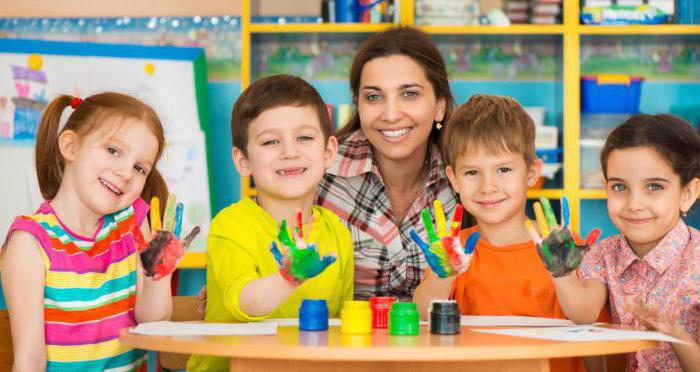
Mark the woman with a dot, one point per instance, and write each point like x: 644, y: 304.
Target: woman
x: 389, y: 167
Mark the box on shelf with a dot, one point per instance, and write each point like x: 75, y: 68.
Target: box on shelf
x: 536, y: 113
x: 610, y: 93
x: 487, y: 5
x: 546, y: 137
x: 286, y: 7
x: 599, y: 126
x: 447, y: 12
x: 623, y: 15
x: 549, y: 156
x: 591, y: 172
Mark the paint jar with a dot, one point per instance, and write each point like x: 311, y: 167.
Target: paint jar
x: 403, y: 319
x: 444, y: 318
x: 380, y: 310
x: 313, y: 315
x: 356, y: 317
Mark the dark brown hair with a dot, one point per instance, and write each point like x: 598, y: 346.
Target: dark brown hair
x: 102, y: 111
x: 272, y: 92
x: 495, y: 122
x: 405, y: 41
x: 670, y: 136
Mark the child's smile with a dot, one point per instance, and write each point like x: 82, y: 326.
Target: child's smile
x: 292, y: 171
x: 111, y: 188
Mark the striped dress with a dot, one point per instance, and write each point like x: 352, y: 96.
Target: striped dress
x: 90, y: 290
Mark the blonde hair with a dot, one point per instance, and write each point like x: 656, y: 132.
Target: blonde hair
x: 497, y: 123
x: 96, y: 112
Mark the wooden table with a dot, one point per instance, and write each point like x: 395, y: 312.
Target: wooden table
x: 291, y: 350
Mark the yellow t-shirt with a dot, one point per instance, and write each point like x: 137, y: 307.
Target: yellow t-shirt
x: 238, y: 252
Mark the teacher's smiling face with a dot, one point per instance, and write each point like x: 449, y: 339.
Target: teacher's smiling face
x: 397, y: 106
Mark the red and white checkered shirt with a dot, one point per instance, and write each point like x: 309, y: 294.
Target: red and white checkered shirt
x: 387, y: 261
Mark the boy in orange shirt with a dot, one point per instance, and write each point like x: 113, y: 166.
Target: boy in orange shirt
x: 488, y: 146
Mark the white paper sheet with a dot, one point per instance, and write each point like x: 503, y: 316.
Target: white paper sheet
x: 582, y: 334
x: 294, y: 322
x: 513, y: 321
x: 166, y: 328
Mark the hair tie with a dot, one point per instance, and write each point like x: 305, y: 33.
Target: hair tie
x: 67, y: 112
x: 76, y: 102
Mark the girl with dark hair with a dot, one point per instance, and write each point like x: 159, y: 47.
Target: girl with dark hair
x: 649, y: 272
x: 70, y: 272
x: 389, y: 165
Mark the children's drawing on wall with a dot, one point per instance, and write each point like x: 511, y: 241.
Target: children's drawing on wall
x: 20, y: 107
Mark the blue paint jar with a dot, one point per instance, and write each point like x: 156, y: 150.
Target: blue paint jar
x: 313, y: 315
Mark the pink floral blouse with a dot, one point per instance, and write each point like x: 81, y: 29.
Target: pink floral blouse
x: 667, y: 279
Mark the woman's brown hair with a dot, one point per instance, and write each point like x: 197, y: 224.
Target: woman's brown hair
x: 405, y: 41
x: 101, y: 111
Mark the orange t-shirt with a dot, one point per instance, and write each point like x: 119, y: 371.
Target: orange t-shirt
x: 509, y: 280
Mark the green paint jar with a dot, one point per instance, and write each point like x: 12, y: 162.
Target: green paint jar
x: 403, y: 319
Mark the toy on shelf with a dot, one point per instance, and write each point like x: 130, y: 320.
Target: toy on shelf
x: 560, y: 249
x: 605, y: 12
x: 443, y: 252
x: 299, y: 261
x: 160, y: 256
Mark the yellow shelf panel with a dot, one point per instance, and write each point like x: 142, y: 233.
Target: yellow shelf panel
x: 318, y: 27
x: 640, y: 29
x: 593, y: 194
x: 193, y: 260
x: 496, y: 30
x: 547, y: 193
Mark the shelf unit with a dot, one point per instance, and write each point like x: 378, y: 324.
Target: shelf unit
x: 571, y: 32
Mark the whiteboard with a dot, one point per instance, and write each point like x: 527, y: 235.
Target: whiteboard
x: 34, y: 72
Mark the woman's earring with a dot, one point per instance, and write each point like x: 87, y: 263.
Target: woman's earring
x: 438, y: 125
x: 684, y: 214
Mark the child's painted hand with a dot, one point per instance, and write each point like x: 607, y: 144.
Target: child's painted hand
x: 160, y: 256
x: 299, y: 261
x: 561, y: 250
x: 443, y: 252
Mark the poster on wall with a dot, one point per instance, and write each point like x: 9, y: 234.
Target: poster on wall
x: 172, y: 80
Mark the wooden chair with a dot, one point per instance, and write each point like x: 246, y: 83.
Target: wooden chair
x: 616, y: 362
x: 184, y: 308
x: 6, y: 353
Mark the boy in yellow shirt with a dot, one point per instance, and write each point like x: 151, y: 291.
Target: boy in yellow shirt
x: 281, y: 137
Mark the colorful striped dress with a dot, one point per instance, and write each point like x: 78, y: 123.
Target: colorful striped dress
x: 90, y: 290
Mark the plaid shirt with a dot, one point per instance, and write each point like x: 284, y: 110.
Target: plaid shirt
x: 387, y: 261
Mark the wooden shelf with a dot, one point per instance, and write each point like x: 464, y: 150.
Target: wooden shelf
x: 496, y: 30
x: 640, y: 30
x: 592, y: 194
x: 193, y: 260
x: 318, y: 27
x: 547, y: 193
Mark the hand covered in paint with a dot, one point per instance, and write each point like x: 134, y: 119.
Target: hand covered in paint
x: 299, y: 261
x: 160, y: 256
x: 560, y: 249
x: 443, y: 252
